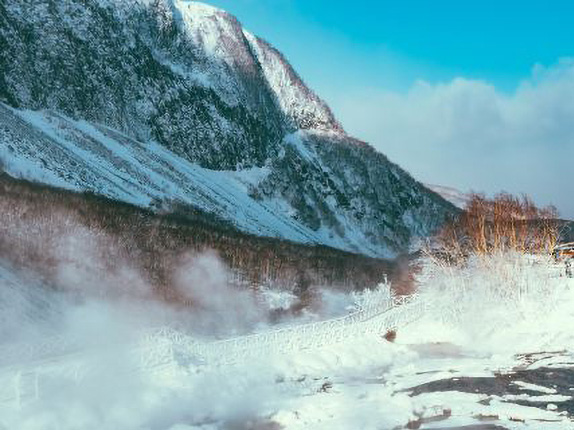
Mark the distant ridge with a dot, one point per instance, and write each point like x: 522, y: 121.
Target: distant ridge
x: 453, y: 195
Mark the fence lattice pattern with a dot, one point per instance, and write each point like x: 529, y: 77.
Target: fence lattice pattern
x: 164, y: 347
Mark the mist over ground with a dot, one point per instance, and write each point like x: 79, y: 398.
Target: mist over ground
x: 76, y: 286
x: 475, y: 320
x: 98, y: 317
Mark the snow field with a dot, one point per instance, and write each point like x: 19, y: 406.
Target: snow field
x: 353, y: 381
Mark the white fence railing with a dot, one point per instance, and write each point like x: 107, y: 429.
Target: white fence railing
x: 375, y: 318
x: 166, y: 347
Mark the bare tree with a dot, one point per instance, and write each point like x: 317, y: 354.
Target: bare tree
x: 503, y: 223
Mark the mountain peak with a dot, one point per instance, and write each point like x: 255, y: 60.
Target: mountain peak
x: 198, y: 8
x: 222, y: 37
x: 215, y: 30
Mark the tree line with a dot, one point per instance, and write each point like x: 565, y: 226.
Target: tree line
x: 38, y: 223
x: 503, y: 223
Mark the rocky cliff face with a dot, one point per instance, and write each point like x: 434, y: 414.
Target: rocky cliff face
x: 170, y: 99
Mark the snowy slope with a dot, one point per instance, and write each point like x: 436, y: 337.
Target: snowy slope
x: 172, y: 99
x: 303, y: 108
x: 77, y: 155
x: 456, y: 197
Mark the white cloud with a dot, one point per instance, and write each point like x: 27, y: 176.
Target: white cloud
x: 468, y: 134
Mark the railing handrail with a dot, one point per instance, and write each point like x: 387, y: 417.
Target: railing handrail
x: 164, y: 346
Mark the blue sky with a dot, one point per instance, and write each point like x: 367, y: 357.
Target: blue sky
x: 475, y: 95
x: 397, y: 42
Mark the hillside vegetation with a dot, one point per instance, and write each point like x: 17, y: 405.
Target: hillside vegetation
x: 41, y: 227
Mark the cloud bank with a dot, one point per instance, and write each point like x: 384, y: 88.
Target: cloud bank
x: 468, y: 134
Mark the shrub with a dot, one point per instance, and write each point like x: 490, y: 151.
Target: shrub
x: 505, y: 223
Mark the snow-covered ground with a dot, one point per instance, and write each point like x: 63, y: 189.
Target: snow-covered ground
x: 493, y: 348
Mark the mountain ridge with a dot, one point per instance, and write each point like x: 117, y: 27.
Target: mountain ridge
x: 111, y: 86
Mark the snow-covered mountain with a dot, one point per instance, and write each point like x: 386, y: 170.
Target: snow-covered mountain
x: 453, y: 195
x: 144, y: 100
